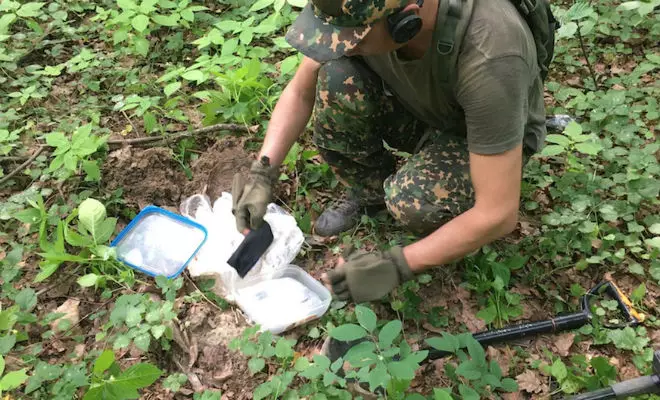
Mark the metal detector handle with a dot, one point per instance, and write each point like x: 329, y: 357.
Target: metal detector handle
x: 560, y: 323
x: 633, y: 387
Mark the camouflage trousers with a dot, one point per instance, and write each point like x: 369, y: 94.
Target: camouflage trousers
x: 354, y: 115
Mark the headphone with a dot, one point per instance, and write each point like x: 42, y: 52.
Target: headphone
x: 404, y: 26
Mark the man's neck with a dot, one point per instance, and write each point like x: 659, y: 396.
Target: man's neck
x: 417, y: 47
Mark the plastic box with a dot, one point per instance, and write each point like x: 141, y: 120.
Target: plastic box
x: 158, y: 242
x: 283, y: 299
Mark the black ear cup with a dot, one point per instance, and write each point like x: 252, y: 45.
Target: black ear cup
x: 404, y: 26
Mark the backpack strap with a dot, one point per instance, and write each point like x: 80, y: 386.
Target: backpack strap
x: 448, y: 33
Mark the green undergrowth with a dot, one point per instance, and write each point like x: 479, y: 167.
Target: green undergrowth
x: 76, y: 74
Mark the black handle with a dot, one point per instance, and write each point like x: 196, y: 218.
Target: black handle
x: 601, y: 394
x: 560, y: 323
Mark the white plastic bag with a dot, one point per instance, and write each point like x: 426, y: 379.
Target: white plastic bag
x: 223, y: 239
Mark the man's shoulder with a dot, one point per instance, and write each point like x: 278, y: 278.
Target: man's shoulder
x: 497, y: 30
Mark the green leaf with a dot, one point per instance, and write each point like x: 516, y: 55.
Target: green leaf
x: 194, y: 75
x: 88, y: 280
x: 284, y: 348
x: 139, y: 376
x: 127, y: 4
x: 636, y: 268
x: 573, y: 129
x: 148, y: 6
x: 302, y: 363
x: 509, y: 385
x: 6, y: 20
x: 7, y: 343
x: 171, y: 88
x: 366, y: 318
x: 297, y: 3
x: 638, y: 294
x: 158, y: 330
x: 558, y: 139
x: 104, y: 361
x: 262, y: 391
x: 442, y: 394
x: 91, y: 214
x: 30, y: 10
x: 469, y: 369
x: 13, y: 379
x: 653, y: 242
x: 401, y: 370
x: 388, y: 333
x: 8, y: 318
x: 476, y: 351
x: 57, y: 139
x: 140, y: 22
x: 558, y: 370
x: 552, y: 150
x: 447, y: 343
x: 92, y: 171
x: 590, y: 148
x: 288, y: 64
x: 256, y: 364
x: 348, y: 332
x: 166, y: 20
x: 655, y: 229
x: 2, y: 365
x: 467, y: 393
x: 260, y: 5
x: 105, y: 230
x: 141, y: 46
x: 150, y: 122
x: 26, y: 299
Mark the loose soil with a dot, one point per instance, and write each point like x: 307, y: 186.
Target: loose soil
x: 153, y: 176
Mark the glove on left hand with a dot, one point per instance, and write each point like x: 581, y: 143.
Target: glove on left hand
x: 369, y: 276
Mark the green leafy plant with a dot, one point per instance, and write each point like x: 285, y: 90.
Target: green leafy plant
x: 72, y: 154
x: 472, y: 374
x: 138, y: 319
x: 174, y: 382
x: 582, y: 374
x: 110, y: 382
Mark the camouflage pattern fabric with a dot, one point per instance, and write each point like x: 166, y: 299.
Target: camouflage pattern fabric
x: 326, y: 29
x: 353, y: 115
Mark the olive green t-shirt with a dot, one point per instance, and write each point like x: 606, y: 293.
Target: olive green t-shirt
x: 497, y: 100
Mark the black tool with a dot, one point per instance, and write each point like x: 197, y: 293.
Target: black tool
x: 561, y: 322
x: 633, y: 387
x: 254, y: 245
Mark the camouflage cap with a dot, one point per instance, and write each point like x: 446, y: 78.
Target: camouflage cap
x: 327, y: 29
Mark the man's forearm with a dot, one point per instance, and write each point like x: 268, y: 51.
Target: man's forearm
x: 457, y: 238
x: 287, y: 122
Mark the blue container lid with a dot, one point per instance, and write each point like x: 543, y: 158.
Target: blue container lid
x: 159, y: 242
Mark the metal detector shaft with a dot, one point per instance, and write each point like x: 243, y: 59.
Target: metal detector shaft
x: 633, y: 387
x: 643, y: 385
x: 560, y: 323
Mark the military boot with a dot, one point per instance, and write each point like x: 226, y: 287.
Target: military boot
x: 342, y: 215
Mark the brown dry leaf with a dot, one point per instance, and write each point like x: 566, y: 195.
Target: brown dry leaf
x: 530, y: 381
x: 502, y: 357
x: 70, y: 310
x: 655, y: 338
x: 563, y: 343
x: 432, y: 328
x: 596, y: 243
x: 513, y: 396
x: 469, y: 315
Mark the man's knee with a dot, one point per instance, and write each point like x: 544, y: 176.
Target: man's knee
x: 420, y: 206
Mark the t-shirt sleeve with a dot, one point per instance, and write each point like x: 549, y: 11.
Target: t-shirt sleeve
x: 494, y: 97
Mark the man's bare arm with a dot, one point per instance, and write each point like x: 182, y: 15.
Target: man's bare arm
x: 496, y: 180
x: 291, y: 113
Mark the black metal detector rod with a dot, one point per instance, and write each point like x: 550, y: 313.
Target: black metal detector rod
x: 560, y: 323
x: 649, y: 384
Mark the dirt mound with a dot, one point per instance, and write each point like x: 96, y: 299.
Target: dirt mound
x: 149, y: 176
x: 153, y: 176
x: 214, y: 170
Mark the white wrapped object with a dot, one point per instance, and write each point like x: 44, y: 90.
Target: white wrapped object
x: 223, y: 239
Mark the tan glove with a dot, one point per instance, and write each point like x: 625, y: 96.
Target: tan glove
x: 250, y: 200
x: 369, y: 276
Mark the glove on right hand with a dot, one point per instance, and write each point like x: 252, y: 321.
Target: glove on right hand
x: 250, y: 200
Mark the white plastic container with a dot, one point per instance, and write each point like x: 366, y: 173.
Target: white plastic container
x: 282, y: 299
